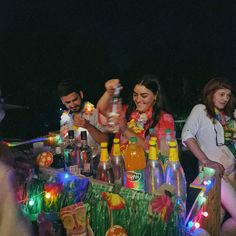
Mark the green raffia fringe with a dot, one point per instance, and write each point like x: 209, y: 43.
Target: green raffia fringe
x: 134, y: 218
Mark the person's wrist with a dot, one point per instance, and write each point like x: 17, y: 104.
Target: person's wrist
x: 123, y: 129
x: 86, y: 124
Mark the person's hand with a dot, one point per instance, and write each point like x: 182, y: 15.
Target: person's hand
x: 79, y: 121
x: 110, y: 86
x: 216, y: 166
x: 64, y: 131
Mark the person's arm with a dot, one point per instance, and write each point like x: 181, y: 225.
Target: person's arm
x: 95, y: 133
x: 105, y: 100
x: 193, y: 123
x: 193, y: 146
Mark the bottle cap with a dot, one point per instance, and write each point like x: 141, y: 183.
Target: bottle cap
x: 103, y: 144
x: 71, y: 134
x: 152, y: 142
x: 154, y: 139
x: 133, y: 139
x: 151, y: 130
x: 116, y: 140
x: 167, y: 131
x: 83, y: 135
x: 172, y: 143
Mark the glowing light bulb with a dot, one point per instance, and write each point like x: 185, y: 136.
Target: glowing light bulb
x: 197, y: 225
x: 31, y: 202
x: 48, y: 195
x: 205, y: 213
x: 190, y: 224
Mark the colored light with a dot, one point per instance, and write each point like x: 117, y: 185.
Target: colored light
x: 31, y: 202
x: 197, y: 225
x: 66, y: 176
x: 205, y: 182
x: 205, y: 213
x: 48, y: 195
x: 190, y: 224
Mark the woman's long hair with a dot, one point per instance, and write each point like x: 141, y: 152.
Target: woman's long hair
x: 152, y: 83
x: 208, y: 92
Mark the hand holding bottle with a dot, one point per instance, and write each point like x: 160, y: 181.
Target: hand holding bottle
x: 79, y: 121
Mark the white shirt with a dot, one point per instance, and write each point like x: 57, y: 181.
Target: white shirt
x: 209, y: 136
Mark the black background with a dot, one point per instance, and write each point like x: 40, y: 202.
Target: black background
x: 41, y: 42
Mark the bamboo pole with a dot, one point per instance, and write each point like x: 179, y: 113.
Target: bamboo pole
x: 212, y: 223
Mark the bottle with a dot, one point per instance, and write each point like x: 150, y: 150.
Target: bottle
x: 175, y: 176
x: 85, y: 156
x: 151, y: 134
x: 135, y: 164
x: 117, y: 162
x: 70, y: 154
x: 104, y: 171
x: 58, y: 158
x: 154, y: 169
x: 114, y: 110
x: 164, y: 147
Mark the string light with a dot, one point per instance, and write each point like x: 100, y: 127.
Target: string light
x: 31, y: 202
x: 48, y: 195
x: 197, y: 225
x: 205, y: 213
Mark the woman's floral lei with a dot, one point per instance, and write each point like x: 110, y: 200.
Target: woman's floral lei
x: 138, y: 121
x: 229, y: 126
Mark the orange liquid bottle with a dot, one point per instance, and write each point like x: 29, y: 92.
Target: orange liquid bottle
x: 135, y: 163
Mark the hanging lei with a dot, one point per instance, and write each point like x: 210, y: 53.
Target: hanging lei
x: 86, y: 111
x: 138, y: 122
x: 229, y: 126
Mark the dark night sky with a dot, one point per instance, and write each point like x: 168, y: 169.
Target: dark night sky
x: 41, y: 42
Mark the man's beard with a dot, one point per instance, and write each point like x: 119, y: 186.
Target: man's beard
x: 77, y: 109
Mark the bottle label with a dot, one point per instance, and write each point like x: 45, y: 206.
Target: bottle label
x: 135, y: 180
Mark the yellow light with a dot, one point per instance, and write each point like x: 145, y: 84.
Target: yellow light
x: 48, y: 195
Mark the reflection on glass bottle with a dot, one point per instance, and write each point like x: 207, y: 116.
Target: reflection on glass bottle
x: 117, y: 162
x: 164, y: 146
x: 85, y: 156
x: 175, y: 176
x: 154, y: 169
x: 104, y: 171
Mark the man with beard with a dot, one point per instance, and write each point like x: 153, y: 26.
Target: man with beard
x: 79, y: 115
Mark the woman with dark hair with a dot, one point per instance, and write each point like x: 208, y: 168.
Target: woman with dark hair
x: 144, y: 111
x: 205, y: 134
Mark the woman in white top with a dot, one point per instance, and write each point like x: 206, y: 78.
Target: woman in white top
x: 204, y: 134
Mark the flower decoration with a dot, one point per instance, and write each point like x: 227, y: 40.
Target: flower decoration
x: 88, y: 108
x: 162, y: 205
x: 114, y: 201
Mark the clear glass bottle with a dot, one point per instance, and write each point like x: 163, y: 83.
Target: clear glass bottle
x: 85, y: 156
x: 164, y: 146
x: 114, y: 111
x: 117, y: 162
x: 154, y: 169
x: 135, y: 164
x: 175, y: 176
x: 70, y: 154
x: 105, y: 171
